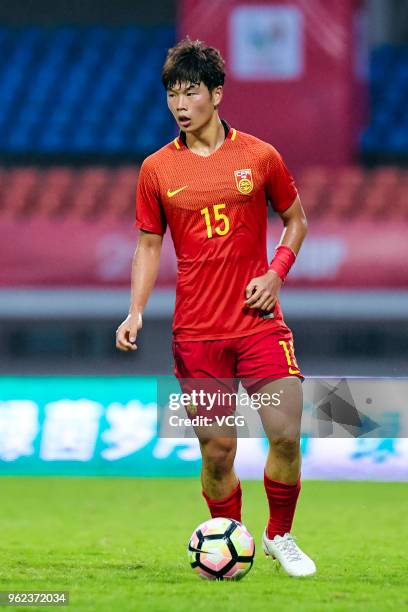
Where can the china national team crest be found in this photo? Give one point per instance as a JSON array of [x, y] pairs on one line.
[[243, 179]]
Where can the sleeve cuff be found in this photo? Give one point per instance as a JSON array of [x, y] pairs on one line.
[[286, 204], [149, 228]]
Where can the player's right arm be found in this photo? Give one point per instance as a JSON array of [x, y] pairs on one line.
[[145, 267], [151, 221]]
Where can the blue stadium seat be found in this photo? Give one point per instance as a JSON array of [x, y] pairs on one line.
[[83, 89], [387, 133]]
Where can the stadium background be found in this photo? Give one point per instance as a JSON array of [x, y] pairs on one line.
[[81, 106]]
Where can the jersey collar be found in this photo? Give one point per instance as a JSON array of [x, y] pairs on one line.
[[181, 143]]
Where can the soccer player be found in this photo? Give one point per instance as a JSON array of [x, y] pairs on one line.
[[211, 186]]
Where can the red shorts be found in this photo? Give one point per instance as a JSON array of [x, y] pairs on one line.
[[254, 360]]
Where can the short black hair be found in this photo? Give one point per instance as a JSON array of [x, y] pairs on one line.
[[190, 61]]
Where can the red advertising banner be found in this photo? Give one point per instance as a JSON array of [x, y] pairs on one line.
[[295, 71], [41, 253]]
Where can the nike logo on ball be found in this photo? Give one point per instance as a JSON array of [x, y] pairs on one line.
[[200, 550], [173, 193]]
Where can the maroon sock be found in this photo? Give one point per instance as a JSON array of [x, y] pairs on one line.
[[228, 507], [282, 500]]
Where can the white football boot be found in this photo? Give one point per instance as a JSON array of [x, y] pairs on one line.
[[287, 552]]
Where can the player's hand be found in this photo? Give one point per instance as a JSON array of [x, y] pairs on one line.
[[262, 292], [127, 332]]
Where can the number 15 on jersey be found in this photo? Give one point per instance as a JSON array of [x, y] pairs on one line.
[[221, 228]]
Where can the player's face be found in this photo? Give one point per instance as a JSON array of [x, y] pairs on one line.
[[192, 105]]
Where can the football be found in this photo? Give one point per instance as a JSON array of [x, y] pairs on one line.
[[221, 549]]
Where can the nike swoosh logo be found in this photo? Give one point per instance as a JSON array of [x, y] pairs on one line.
[[173, 193], [293, 371], [200, 550]]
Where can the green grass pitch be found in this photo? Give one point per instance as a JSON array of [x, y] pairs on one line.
[[120, 544]]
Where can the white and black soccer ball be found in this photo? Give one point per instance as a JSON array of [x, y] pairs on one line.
[[221, 549]]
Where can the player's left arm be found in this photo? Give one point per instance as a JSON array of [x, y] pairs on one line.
[[262, 292]]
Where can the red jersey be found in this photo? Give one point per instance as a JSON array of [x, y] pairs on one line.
[[216, 209]]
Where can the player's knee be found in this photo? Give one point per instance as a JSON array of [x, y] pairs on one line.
[[287, 449], [218, 455]]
